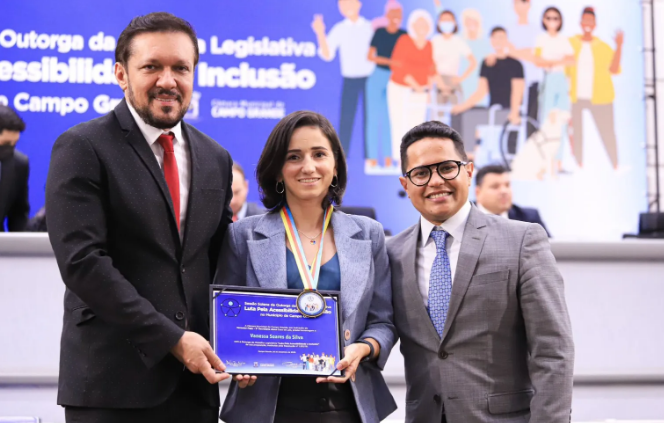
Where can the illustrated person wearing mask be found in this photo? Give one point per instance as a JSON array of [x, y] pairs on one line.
[[14, 172], [352, 38], [448, 50], [592, 85], [378, 134]]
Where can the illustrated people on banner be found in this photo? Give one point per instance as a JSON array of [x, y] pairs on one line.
[[448, 50], [503, 80], [592, 85], [473, 34], [378, 138], [407, 91], [351, 37], [553, 52], [523, 33]]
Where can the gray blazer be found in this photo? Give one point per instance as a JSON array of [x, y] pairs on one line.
[[506, 353], [254, 254]]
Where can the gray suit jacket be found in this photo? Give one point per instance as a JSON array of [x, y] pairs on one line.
[[254, 254], [506, 353]]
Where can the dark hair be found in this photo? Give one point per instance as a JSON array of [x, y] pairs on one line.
[[431, 129], [10, 120], [273, 158], [238, 168], [588, 11], [153, 22], [448, 12], [498, 29], [479, 176], [560, 15]]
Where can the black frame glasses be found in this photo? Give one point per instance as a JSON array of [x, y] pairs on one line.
[[440, 165]]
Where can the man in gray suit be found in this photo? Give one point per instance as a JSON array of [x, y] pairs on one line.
[[478, 300], [239, 204]]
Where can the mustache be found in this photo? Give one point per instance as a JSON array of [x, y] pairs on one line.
[[175, 94]]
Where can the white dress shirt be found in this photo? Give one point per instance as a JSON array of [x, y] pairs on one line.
[[426, 247], [242, 213], [485, 211], [353, 40], [182, 157]]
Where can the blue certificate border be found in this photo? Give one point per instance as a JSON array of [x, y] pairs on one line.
[[215, 290]]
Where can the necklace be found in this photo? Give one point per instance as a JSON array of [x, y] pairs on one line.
[[311, 240]]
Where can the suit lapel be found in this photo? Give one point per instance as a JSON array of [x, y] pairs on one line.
[[193, 202], [411, 288], [354, 256], [471, 247], [268, 255], [137, 141]]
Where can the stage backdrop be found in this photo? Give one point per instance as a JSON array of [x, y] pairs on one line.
[[577, 155]]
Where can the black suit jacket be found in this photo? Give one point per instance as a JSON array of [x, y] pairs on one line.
[[14, 203], [525, 214], [132, 286]]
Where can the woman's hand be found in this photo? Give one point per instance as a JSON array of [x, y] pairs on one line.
[[353, 354], [244, 380]]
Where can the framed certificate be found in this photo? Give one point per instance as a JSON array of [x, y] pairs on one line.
[[262, 332]]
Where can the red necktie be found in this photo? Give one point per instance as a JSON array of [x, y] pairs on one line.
[[171, 174]]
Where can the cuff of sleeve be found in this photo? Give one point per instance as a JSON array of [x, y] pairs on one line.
[[153, 352], [385, 346]]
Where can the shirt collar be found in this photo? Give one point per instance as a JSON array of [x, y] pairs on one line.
[[485, 211], [454, 226], [360, 20], [242, 213], [151, 133]]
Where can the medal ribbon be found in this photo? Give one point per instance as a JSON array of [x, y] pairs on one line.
[[309, 278]]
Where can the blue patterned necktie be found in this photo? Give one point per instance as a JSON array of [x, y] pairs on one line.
[[440, 283]]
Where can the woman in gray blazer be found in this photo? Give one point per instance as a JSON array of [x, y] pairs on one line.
[[303, 167]]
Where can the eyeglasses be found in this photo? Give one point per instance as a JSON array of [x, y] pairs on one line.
[[448, 170], [551, 18]]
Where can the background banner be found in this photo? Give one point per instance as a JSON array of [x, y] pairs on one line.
[[576, 150]]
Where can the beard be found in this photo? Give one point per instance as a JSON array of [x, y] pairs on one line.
[[149, 117]]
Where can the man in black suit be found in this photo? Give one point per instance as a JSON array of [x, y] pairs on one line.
[[493, 192], [14, 171], [138, 203], [241, 207]]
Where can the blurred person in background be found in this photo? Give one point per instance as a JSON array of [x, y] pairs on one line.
[[14, 172], [493, 193], [239, 204]]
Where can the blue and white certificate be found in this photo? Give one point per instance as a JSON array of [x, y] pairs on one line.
[[262, 332]]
